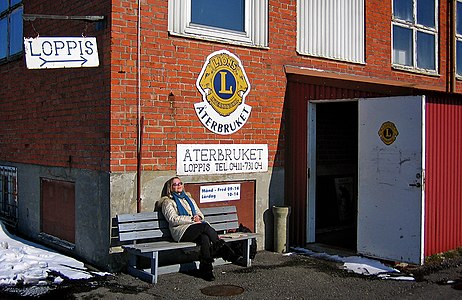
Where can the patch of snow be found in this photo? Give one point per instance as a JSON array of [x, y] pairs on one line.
[[27, 263], [359, 265]]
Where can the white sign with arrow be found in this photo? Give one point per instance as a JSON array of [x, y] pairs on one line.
[[61, 52]]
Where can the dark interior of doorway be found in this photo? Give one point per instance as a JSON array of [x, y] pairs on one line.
[[336, 173]]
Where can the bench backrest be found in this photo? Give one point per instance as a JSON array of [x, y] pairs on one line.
[[144, 225], [223, 218], [152, 225]]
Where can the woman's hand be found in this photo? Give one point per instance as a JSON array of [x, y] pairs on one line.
[[197, 219]]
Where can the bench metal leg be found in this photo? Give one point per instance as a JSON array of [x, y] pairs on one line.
[[246, 251], [148, 275], [154, 265]]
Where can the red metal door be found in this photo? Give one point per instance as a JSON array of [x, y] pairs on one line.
[[58, 209]]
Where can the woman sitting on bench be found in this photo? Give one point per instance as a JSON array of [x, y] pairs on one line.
[[187, 224]]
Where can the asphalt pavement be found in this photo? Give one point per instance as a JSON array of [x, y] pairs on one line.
[[272, 276]]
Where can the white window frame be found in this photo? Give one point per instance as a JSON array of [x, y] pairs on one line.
[[255, 24], [415, 27]]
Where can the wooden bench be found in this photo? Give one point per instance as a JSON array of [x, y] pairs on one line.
[[149, 235]]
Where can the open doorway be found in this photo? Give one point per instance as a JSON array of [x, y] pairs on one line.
[[336, 174]]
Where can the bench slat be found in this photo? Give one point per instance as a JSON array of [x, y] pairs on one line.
[[221, 219], [142, 226], [230, 237], [146, 234], [142, 216], [159, 246], [225, 226], [218, 210]]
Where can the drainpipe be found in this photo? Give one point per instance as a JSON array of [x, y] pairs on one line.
[[138, 117], [451, 81], [138, 167]]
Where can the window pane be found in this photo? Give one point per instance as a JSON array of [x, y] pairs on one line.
[[3, 5], [13, 2], [402, 9], [425, 51], [3, 37], [459, 17], [226, 14], [459, 57], [16, 36], [402, 46], [426, 13]]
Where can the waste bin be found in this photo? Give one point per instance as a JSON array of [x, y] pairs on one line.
[[281, 214]]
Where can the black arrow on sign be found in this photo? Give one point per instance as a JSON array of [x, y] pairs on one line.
[[83, 60]]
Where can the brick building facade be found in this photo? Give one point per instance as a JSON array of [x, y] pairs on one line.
[[89, 143]]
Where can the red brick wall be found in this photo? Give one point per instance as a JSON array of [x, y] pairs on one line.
[[90, 114], [170, 66], [57, 117]]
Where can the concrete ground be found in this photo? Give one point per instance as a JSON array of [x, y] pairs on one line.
[[272, 276]]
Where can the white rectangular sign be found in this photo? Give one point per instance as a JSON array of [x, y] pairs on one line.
[[223, 192], [221, 158], [61, 52]]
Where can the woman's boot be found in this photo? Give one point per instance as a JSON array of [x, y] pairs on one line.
[[221, 249], [206, 270]]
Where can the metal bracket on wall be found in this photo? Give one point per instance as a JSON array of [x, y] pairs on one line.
[[100, 21], [33, 17]]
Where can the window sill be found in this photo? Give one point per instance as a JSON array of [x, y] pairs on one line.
[[415, 71], [217, 40], [343, 60]]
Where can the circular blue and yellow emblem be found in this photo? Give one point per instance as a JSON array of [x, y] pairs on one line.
[[223, 82], [224, 86], [388, 133]]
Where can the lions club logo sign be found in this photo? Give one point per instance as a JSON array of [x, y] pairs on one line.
[[388, 133], [224, 86]]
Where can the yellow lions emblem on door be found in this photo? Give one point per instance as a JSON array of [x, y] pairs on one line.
[[223, 83], [388, 133]]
